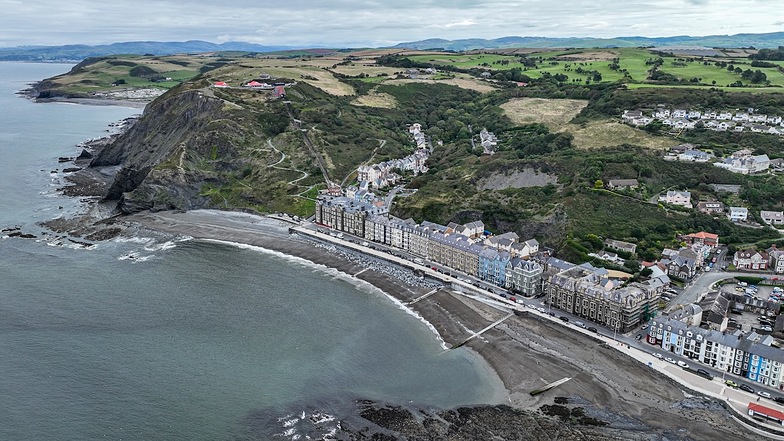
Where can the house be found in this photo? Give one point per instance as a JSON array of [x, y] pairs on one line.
[[772, 217], [220, 84], [682, 198], [744, 163], [703, 238], [524, 276], [739, 214], [682, 148], [776, 262], [682, 267], [620, 245], [661, 113], [679, 113], [629, 115], [694, 156], [710, 207], [489, 142], [622, 184], [750, 259], [608, 256]]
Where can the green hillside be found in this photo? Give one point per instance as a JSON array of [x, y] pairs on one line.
[[558, 139]]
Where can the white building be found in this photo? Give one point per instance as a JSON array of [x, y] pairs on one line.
[[682, 198], [739, 214], [772, 217]]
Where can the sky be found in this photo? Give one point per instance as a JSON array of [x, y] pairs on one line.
[[372, 23]]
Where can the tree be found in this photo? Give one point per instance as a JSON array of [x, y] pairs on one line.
[[598, 184]]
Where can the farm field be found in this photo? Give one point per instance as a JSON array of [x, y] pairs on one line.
[[556, 114], [632, 67]]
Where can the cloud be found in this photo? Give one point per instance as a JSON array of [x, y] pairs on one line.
[[462, 23], [371, 22]]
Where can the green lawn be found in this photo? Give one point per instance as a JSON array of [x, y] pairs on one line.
[[631, 59], [697, 86]]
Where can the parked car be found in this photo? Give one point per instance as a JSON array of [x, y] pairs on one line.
[[513, 298], [669, 360], [683, 364], [565, 319], [592, 329], [746, 388], [731, 383], [657, 355], [638, 337], [779, 400], [644, 327], [580, 324], [705, 373], [764, 394]]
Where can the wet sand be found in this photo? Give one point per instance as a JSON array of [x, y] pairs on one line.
[[525, 352]]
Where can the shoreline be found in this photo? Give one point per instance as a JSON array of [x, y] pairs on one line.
[[92, 102], [523, 352], [304, 252]]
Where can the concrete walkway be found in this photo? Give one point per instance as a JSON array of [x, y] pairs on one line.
[[736, 400]]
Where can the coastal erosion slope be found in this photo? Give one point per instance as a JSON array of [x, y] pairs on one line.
[[621, 397]]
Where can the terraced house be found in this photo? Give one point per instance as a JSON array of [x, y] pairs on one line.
[[750, 356], [590, 293], [524, 276]]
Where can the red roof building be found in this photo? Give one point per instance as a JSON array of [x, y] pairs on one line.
[[254, 83], [758, 410], [710, 239], [220, 84]]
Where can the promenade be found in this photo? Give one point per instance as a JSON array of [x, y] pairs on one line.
[[736, 400], [525, 350]]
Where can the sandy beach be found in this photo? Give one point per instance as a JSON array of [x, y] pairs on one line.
[[525, 352], [96, 102]]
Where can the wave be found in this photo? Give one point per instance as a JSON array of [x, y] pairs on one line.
[[360, 284], [312, 425]]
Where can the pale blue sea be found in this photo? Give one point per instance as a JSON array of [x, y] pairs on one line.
[[193, 340]]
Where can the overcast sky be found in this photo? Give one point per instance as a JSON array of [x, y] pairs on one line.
[[355, 23]]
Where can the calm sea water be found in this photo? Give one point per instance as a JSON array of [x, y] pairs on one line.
[[190, 340]]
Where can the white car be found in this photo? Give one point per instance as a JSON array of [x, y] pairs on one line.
[[669, 360], [683, 364], [764, 394], [657, 355]]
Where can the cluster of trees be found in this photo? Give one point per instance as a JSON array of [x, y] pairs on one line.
[[535, 139], [769, 54]]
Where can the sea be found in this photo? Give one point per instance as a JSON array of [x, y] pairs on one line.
[[188, 340]]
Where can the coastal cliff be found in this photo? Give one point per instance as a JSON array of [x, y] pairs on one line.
[[152, 154], [187, 145]]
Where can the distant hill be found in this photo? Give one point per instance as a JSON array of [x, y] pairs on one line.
[[770, 40], [79, 52]]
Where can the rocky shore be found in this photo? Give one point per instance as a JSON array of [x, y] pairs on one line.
[[609, 397]]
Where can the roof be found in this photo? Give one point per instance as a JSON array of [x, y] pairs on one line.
[[623, 182], [767, 411], [703, 235]]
